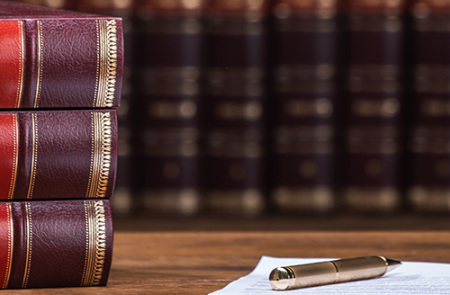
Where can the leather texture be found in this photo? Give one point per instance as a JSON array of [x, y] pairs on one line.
[[62, 58], [55, 153], [6, 240], [11, 63], [51, 251], [8, 154]]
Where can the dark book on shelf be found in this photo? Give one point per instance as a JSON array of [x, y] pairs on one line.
[[169, 49], [373, 105], [429, 136], [235, 97], [304, 105]]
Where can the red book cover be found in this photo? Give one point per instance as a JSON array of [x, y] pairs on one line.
[[58, 59], [57, 154], [55, 243]]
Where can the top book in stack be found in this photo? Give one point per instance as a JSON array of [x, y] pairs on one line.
[[59, 59]]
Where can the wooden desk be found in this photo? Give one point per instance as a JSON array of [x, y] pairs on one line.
[[198, 263]]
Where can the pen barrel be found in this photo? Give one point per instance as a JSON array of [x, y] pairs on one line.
[[360, 268], [323, 273]]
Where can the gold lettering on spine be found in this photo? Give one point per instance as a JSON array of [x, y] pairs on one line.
[[95, 243], [107, 63], [29, 237], [10, 246], [40, 48], [101, 155], [34, 130], [16, 158], [22, 54]]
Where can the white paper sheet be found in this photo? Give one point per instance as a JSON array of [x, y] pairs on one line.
[[412, 278]]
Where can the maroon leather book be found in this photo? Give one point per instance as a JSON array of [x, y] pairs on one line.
[[429, 173], [59, 59], [304, 106], [373, 105], [55, 243], [236, 92], [169, 50], [124, 201], [69, 154]]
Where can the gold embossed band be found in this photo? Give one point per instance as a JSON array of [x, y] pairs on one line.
[[95, 243], [29, 243], [34, 132], [107, 63], [101, 154], [40, 48]]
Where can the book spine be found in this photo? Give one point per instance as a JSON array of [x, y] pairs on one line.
[[57, 154], [429, 185], [235, 106], [304, 107], [55, 243], [374, 106], [169, 49], [124, 202], [61, 63]]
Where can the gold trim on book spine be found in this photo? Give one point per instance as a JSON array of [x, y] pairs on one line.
[[21, 73], [10, 246], [95, 243], [40, 48], [34, 130], [16, 158], [107, 64], [29, 237], [100, 155]]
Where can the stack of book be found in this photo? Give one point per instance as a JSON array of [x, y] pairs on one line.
[[60, 80]]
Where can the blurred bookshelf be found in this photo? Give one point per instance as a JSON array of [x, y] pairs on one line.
[[282, 114]]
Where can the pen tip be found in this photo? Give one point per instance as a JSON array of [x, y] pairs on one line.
[[392, 264]]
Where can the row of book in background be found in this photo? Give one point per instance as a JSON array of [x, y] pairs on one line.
[[304, 106], [60, 84]]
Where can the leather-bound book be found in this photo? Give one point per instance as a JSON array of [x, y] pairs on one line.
[[169, 47], [429, 137], [55, 243], [304, 105], [58, 59], [236, 91], [373, 105], [68, 154], [124, 202]]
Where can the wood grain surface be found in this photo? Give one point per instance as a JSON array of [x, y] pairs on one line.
[[202, 262]]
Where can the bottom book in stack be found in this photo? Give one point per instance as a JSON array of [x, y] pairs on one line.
[[55, 243]]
